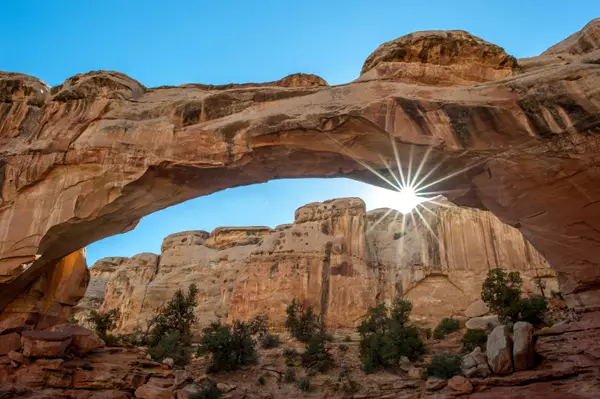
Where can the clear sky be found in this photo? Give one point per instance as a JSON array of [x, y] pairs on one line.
[[173, 42]]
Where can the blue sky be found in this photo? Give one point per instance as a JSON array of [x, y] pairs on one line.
[[175, 42]]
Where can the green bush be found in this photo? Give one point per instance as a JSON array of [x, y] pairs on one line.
[[269, 341], [231, 347], [425, 332], [170, 330], [304, 384], [345, 383], [290, 374], [261, 380], [301, 322], [208, 392], [290, 352], [102, 322], [385, 337], [317, 356], [445, 327], [399, 234], [444, 366], [473, 339], [502, 294], [173, 346], [87, 366], [348, 339], [343, 347]]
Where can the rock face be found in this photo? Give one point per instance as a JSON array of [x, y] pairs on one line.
[[90, 157], [335, 256], [439, 58], [500, 350], [523, 347], [50, 299]]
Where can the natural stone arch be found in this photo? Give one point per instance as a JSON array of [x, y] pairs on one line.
[[89, 158]]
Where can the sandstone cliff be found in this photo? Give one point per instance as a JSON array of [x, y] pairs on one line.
[[335, 256]]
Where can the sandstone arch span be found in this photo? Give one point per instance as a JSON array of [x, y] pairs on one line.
[[90, 157]]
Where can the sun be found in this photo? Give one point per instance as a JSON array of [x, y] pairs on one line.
[[403, 201]]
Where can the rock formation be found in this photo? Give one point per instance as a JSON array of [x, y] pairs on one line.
[[335, 256], [90, 157]]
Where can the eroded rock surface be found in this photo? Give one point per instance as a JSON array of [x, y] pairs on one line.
[[336, 256], [90, 157]]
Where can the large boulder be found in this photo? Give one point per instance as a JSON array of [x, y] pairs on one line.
[[45, 343], [475, 364], [499, 350], [460, 385], [483, 323], [477, 309], [84, 340], [523, 347], [9, 342], [148, 391]]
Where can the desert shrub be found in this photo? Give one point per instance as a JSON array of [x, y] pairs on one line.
[[261, 380], [304, 383], [343, 347], [290, 374], [345, 383], [445, 327], [399, 234], [102, 322], [208, 392], [170, 330], [290, 352], [502, 294], [348, 339], [302, 323], [386, 337], [231, 347], [171, 345], [473, 339], [87, 366], [425, 332], [444, 366], [269, 341], [317, 356]]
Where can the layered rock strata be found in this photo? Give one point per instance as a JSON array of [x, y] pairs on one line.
[[335, 256]]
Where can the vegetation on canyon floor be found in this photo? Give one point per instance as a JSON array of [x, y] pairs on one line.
[[503, 294], [387, 338]]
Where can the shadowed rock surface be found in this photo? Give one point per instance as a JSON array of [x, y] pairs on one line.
[[90, 157]]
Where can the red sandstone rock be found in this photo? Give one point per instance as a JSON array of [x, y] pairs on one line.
[[523, 347], [9, 342], [148, 391], [17, 357], [84, 340], [499, 350], [45, 343], [460, 385]]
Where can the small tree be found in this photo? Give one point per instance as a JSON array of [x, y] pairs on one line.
[[171, 328], [473, 339], [502, 294], [444, 366], [104, 322], [301, 322], [231, 347], [386, 337], [445, 327], [317, 356]]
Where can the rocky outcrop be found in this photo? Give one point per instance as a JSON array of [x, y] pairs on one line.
[[336, 256], [50, 299], [90, 157], [523, 346], [438, 58], [500, 350]]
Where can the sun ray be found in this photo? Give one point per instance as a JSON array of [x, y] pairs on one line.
[[453, 174], [376, 173], [423, 160], [427, 225], [427, 209], [390, 170], [410, 160], [372, 227], [398, 163]]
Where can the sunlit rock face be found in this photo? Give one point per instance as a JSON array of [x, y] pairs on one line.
[[90, 157], [51, 298], [335, 256], [439, 58]]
